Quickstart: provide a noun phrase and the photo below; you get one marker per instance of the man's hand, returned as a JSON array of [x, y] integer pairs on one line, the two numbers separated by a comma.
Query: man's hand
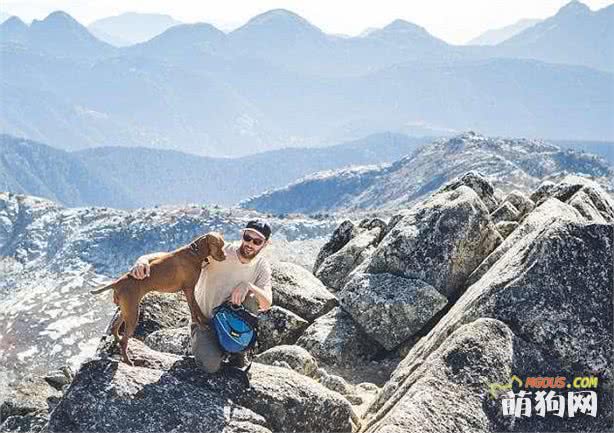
[[239, 293], [140, 270]]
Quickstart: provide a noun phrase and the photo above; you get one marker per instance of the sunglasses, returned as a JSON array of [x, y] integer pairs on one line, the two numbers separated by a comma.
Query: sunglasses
[[255, 241]]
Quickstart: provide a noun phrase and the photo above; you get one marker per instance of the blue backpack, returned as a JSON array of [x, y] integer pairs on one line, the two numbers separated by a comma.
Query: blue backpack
[[235, 326]]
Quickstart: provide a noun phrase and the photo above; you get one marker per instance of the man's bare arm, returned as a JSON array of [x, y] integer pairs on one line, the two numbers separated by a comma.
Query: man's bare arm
[[149, 257], [262, 287], [140, 269], [264, 297]]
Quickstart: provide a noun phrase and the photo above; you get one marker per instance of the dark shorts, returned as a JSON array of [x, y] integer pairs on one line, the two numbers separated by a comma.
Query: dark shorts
[[205, 347]]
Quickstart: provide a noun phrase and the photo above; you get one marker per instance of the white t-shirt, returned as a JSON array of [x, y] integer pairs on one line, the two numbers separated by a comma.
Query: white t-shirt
[[218, 279]]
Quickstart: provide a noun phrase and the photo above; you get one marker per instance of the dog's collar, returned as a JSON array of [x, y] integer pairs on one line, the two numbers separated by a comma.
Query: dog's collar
[[194, 248]]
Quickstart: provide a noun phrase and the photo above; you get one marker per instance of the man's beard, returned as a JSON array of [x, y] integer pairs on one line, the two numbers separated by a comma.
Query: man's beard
[[245, 255]]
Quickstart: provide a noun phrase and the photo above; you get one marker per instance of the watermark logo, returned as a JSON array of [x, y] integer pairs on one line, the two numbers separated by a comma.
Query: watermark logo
[[541, 396]]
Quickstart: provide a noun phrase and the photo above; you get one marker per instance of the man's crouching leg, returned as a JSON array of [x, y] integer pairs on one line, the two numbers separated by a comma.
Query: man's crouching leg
[[205, 348]]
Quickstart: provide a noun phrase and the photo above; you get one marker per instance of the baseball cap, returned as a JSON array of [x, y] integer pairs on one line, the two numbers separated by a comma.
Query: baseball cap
[[261, 226]]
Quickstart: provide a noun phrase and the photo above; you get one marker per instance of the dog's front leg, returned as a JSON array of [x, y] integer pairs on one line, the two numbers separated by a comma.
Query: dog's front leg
[[197, 314]]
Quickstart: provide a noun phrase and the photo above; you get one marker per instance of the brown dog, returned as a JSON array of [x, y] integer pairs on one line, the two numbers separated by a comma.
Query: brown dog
[[175, 271]]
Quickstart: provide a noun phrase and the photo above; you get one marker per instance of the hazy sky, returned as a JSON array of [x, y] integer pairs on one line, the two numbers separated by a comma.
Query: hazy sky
[[455, 21]]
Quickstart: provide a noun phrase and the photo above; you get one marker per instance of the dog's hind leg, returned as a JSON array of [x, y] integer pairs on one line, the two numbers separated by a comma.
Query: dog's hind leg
[[117, 323], [131, 317]]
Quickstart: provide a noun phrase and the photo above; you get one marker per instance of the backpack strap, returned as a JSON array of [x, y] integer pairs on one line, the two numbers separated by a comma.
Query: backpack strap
[[251, 348]]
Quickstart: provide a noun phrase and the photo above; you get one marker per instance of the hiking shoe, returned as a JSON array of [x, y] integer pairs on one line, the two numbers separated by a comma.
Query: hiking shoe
[[237, 360]]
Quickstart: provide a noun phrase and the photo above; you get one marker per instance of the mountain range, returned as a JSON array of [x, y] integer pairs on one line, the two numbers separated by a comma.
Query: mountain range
[[575, 35], [131, 27], [279, 81], [4, 16], [137, 177], [509, 164], [496, 36], [58, 35]]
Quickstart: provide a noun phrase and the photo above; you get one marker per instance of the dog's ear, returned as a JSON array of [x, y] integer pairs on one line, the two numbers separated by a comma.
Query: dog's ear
[[215, 237], [203, 245], [216, 243]]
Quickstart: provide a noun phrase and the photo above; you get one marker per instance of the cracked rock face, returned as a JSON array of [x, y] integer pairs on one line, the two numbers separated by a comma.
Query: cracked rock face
[[26, 406], [169, 393], [448, 392], [296, 357], [170, 340], [161, 311], [505, 228], [336, 267], [335, 339], [296, 289], [593, 203], [482, 187], [574, 189], [548, 212], [506, 212], [440, 241], [553, 290], [520, 201], [279, 326], [582, 202], [389, 308], [341, 236]]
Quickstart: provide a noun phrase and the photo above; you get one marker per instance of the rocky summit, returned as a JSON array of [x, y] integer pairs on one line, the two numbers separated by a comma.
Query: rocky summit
[[507, 163], [399, 324]]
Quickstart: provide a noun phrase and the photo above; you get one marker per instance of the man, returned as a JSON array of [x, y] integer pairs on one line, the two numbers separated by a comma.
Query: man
[[243, 278]]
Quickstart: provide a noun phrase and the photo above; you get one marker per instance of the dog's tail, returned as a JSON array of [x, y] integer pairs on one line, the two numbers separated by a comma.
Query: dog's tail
[[102, 289]]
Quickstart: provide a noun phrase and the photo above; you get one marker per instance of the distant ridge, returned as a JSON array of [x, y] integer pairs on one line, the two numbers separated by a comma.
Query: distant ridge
[[508, 163], [136, 177], [131, 27]]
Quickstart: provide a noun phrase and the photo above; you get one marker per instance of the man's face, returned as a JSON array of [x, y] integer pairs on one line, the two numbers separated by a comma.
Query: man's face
[[249, 239]]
